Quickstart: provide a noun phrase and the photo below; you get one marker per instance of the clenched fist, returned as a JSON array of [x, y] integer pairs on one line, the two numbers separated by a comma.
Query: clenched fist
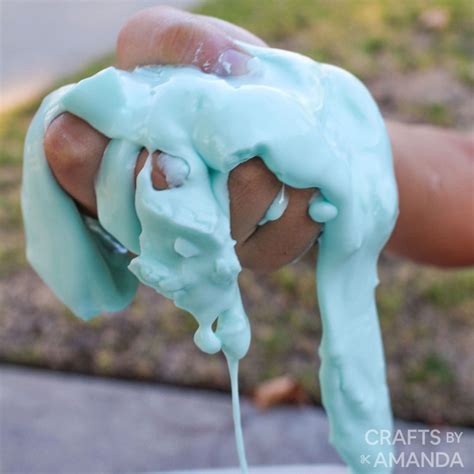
[[163, 35]]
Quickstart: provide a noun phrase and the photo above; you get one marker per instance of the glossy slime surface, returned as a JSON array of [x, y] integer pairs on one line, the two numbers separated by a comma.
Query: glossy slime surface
[[314, 125]]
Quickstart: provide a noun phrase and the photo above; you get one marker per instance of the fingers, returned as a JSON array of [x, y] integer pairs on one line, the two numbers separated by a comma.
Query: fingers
[[252, 188], [280, 242], [158, 177], [74, 150], [164, 35], [157, 35]]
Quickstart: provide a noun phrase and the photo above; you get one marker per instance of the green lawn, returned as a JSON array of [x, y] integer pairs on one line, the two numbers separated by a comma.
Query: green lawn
[[370, 38]]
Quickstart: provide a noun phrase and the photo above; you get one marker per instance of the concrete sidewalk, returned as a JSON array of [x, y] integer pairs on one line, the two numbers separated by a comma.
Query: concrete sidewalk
[[57, 423]]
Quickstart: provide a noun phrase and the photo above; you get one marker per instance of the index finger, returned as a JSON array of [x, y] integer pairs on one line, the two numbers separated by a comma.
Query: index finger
[[164, 35]]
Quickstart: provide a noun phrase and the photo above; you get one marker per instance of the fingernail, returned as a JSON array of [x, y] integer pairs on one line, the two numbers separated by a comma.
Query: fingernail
[[231, 63]]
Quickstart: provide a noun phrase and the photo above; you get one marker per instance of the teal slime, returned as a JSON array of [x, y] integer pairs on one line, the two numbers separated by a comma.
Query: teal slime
[[314, 125]]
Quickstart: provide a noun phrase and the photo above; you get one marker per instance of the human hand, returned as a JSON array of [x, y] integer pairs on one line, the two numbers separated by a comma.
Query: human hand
[[163, 35]]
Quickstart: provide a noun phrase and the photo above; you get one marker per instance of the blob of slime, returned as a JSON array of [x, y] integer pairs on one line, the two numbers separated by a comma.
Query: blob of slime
[[314, 125]]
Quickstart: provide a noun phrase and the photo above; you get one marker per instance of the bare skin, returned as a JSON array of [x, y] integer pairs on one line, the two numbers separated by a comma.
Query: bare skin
[[435, 175], [436, 223]]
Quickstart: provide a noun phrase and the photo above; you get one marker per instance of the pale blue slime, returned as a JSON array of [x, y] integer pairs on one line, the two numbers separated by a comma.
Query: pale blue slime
[[314, 125]]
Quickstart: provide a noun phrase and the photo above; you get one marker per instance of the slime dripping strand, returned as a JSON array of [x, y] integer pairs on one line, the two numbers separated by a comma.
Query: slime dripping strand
[[233, 366]]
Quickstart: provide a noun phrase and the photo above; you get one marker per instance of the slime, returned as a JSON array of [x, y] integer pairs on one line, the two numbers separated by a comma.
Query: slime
[[314, 125]]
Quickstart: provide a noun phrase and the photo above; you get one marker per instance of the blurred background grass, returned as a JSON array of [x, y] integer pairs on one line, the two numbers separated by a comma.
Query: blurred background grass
[[417, 59]]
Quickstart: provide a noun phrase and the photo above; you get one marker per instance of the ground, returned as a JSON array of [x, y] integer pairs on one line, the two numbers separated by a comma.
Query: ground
[[416, 57], [81, 424]]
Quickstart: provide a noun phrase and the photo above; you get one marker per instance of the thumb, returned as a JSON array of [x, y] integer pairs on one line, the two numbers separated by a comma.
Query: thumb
[[164, 35]]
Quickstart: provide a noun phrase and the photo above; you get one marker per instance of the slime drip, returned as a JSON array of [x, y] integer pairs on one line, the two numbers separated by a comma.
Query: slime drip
[[314, 125]]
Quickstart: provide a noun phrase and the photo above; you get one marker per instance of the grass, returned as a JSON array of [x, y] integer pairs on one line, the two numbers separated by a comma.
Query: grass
[[390, 299], [366, 37], [433, 369], [453, 290]]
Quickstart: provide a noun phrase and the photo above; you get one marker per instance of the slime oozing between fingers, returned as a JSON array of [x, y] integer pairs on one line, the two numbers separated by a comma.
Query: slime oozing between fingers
[[314, 126]]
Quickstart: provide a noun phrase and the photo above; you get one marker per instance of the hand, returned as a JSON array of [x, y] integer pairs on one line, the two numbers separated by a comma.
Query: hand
[[163, 35]]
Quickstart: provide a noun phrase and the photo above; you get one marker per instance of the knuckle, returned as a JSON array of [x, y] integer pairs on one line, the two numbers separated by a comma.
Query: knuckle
[[62, 147], [171, 32], [249, 184], [247, 177], [71, 145]]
